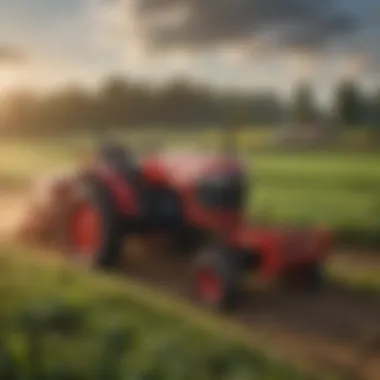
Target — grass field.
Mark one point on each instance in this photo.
(359, 274)
(337, 189)
(102, 328)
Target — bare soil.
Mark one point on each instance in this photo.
(12, 205)
(333, 331)
(330, 331)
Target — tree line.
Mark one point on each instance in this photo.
(120, 102)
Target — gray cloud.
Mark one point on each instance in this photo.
(12, 55)
(292, 24)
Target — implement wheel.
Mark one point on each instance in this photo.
(217, 279)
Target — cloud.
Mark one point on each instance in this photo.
(43, 74)
(241, 34)
(119, 31)
(354, 66)
(303, 66)
(203, 24)
(10, 55)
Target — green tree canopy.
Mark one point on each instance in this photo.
(304, 109)
(349, 104)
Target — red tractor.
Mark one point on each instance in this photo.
(227, 247)
(198, 201)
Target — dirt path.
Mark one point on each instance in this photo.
(324, 331)
(11, 208)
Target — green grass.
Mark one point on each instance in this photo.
(338, 186)
(83, 318)
(335, 189)
(338, 190)
(360, 276)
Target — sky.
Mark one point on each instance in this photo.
(262, 44)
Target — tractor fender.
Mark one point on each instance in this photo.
(263, 247)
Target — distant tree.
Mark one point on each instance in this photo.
(113, 102)
(119, 102)
(20, 112)
(374, 117)
(304, 108)
(71, 107)
(349, 104)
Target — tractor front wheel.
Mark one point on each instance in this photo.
(217, 280)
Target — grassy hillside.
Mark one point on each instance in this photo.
(62, 322)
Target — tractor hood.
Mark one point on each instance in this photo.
(292, 242)
(303, 243)
(284, 247)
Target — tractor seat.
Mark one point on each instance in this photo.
(122, 162)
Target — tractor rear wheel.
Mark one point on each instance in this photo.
(217, 279)
(94, 228)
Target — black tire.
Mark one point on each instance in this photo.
(221, 263)
(98, 196)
